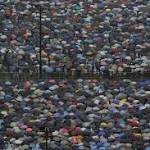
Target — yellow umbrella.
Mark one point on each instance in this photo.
(89, 53)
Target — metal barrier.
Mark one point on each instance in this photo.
(16, 77)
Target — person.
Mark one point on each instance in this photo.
(91, 34)
(82, 114)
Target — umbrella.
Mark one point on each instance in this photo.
(121, 96)
(3, 37)
(18, 142)
(29, 129)
(52, 88)
(89, 53)
(3, 50)
(5, 113)
(68, 95)
(8, 83)
(51, 81)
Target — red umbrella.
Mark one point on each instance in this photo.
(27, 85)
(133, 122)
(8, 12)
(29, 129)
(51, 81)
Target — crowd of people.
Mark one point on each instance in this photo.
(85, 36)
(78, 115)
(108, 37)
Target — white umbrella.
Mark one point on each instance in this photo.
(18, 142)
(3, 37)
(143, 64)
(3, 50)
